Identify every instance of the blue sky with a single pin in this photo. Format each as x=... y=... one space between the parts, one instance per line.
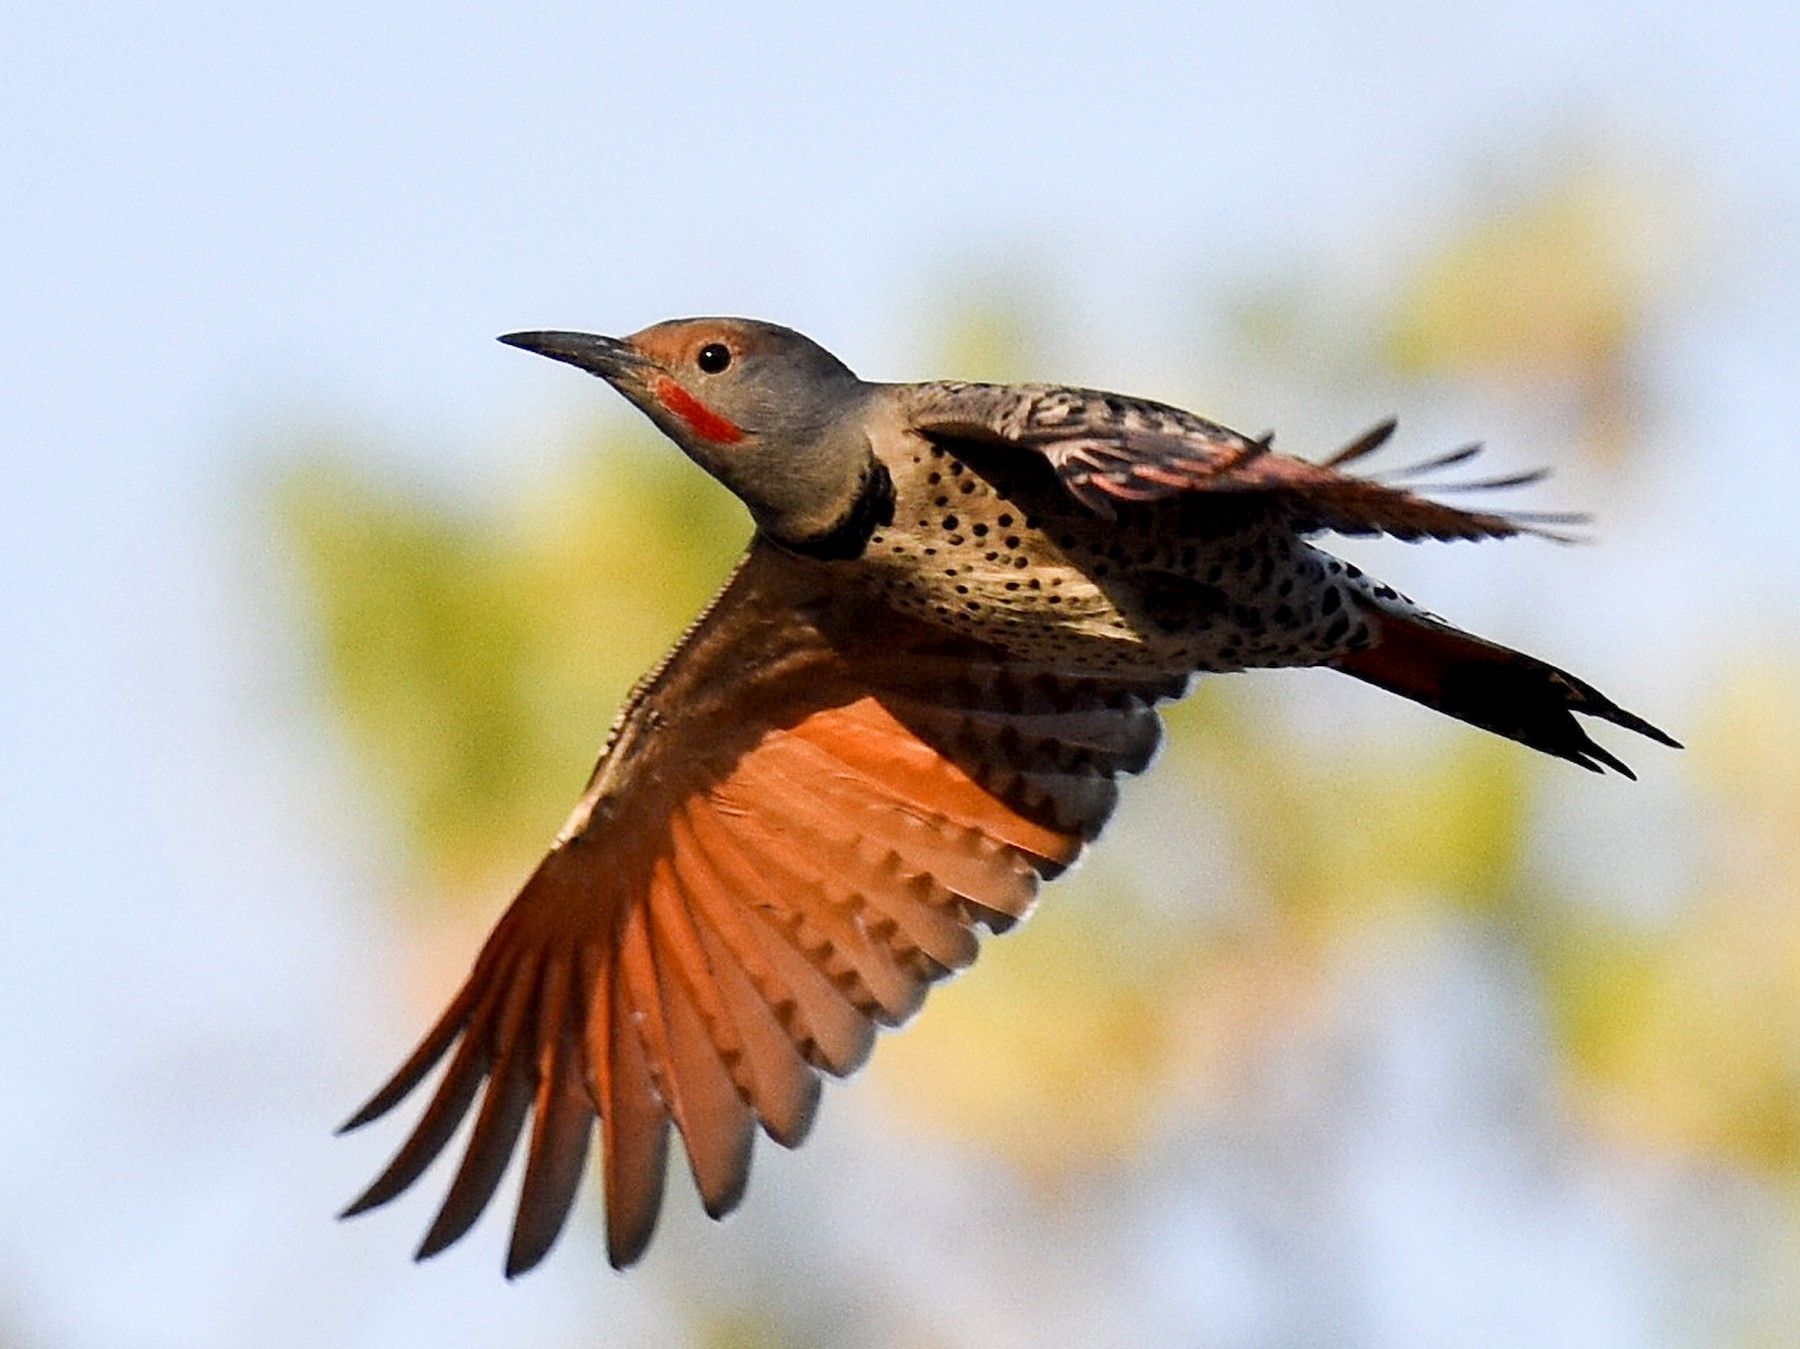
x=219 y=222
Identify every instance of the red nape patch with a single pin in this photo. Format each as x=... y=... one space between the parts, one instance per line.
x=701 y=420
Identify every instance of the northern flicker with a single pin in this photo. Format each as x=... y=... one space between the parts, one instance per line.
x=909 y=704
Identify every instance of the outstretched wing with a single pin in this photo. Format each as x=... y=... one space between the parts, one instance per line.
x=1109 y=449
x=800 y=820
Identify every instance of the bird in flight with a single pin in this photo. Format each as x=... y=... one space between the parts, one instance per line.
x=909 y=704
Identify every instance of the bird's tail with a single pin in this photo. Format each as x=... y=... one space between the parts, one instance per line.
x=1489 y=686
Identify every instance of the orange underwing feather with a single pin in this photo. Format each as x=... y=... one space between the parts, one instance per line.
x=497 y=1123
x=708 y=1110
x=959 y=855
x=422 y=1060
x=682 y=955
x=866 y=737
x=774 y=1078
x=825 y=921
x=562 y=1124
x=636 y=1130
x=448 y=1105
x=827 y=1029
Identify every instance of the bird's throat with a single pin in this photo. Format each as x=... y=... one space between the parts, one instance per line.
x=872 y=508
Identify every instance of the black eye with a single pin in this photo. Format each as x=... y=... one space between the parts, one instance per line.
x=713 y=357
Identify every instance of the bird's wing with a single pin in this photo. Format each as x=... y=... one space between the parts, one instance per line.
x=800 y=819
x=1108 y=449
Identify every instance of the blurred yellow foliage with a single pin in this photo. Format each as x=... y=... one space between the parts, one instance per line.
x=1549 y=286
x=989 y=341
x=1548 y=292
x=1053 y=1054
x=476 y=658
x=1339 y=836
x=743 y=1328
x=1689 y=1036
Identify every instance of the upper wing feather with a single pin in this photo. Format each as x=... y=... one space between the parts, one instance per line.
x=1108 y=449
x=798 y=823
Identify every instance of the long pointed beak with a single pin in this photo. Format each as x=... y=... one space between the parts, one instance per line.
x=606 y=357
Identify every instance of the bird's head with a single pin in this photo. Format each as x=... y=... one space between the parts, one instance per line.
x=766 y=411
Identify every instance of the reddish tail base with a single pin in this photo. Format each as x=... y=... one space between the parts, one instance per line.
x=1499 y=690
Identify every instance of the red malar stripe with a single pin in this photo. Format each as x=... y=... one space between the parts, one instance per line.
x=701 y=420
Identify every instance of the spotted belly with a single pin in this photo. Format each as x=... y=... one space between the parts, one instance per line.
x=1171 y=586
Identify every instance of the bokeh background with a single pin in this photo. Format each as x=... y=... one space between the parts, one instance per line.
x=315 y=604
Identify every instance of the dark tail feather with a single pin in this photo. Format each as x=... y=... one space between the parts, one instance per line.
x=1503 y=691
